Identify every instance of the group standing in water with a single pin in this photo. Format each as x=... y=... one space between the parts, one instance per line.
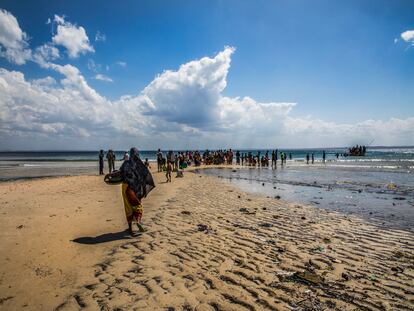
x=312 y=157
x=171 y=161
x=266 y=160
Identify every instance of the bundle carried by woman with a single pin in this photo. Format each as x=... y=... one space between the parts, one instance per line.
x=137 y=176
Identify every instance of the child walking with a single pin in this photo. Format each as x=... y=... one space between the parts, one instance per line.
x=169 y=170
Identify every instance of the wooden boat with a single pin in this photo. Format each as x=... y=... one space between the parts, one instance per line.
x=357 y=151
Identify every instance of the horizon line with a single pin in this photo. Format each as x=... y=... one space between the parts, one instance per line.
x=211 y=149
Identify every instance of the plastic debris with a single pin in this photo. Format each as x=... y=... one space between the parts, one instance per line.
x=266 y=225
x=318 y=249
x=345 y=276
x=202 y=227
x=306 y=277
x=391 y=186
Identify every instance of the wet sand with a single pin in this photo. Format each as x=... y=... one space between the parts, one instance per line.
x=367 y=194
x=63 y=247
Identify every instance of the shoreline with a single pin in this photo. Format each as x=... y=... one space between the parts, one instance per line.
x=250 y=256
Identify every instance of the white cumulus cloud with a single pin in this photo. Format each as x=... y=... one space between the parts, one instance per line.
x=45 y=107
x=13 y=41
x=408 y=36
x=72 y=37
x=102 y=77
x=46 y=52
x=186 y=101
x=191 y=94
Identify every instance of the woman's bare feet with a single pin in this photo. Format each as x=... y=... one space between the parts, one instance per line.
x=131 y=232
x=141 y=228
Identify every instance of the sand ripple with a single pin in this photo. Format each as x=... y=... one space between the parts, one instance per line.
x=256 y=254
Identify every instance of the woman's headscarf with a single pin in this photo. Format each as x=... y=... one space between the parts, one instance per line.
x=136 y=175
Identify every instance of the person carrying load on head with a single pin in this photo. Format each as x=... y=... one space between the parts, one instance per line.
x=137 y=182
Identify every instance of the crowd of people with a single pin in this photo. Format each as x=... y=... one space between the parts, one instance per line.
x=181 y=160
x=170 y=161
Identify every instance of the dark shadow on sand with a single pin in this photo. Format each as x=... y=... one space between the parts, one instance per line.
x=103 y=238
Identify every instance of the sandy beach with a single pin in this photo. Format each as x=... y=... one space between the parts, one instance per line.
x=209 y=246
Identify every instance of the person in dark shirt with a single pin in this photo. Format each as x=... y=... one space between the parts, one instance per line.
x=101 y=162
x=159 y=160
x=110 y=156
x=137 y=182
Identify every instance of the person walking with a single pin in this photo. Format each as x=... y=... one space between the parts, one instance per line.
x=137 y=182
x=169 y=170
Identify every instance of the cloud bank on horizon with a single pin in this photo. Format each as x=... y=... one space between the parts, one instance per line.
x=183 y=108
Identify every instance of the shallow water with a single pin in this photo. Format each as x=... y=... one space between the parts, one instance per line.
x=368 y=192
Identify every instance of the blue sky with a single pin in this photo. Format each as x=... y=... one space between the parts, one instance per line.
x=340 y=64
